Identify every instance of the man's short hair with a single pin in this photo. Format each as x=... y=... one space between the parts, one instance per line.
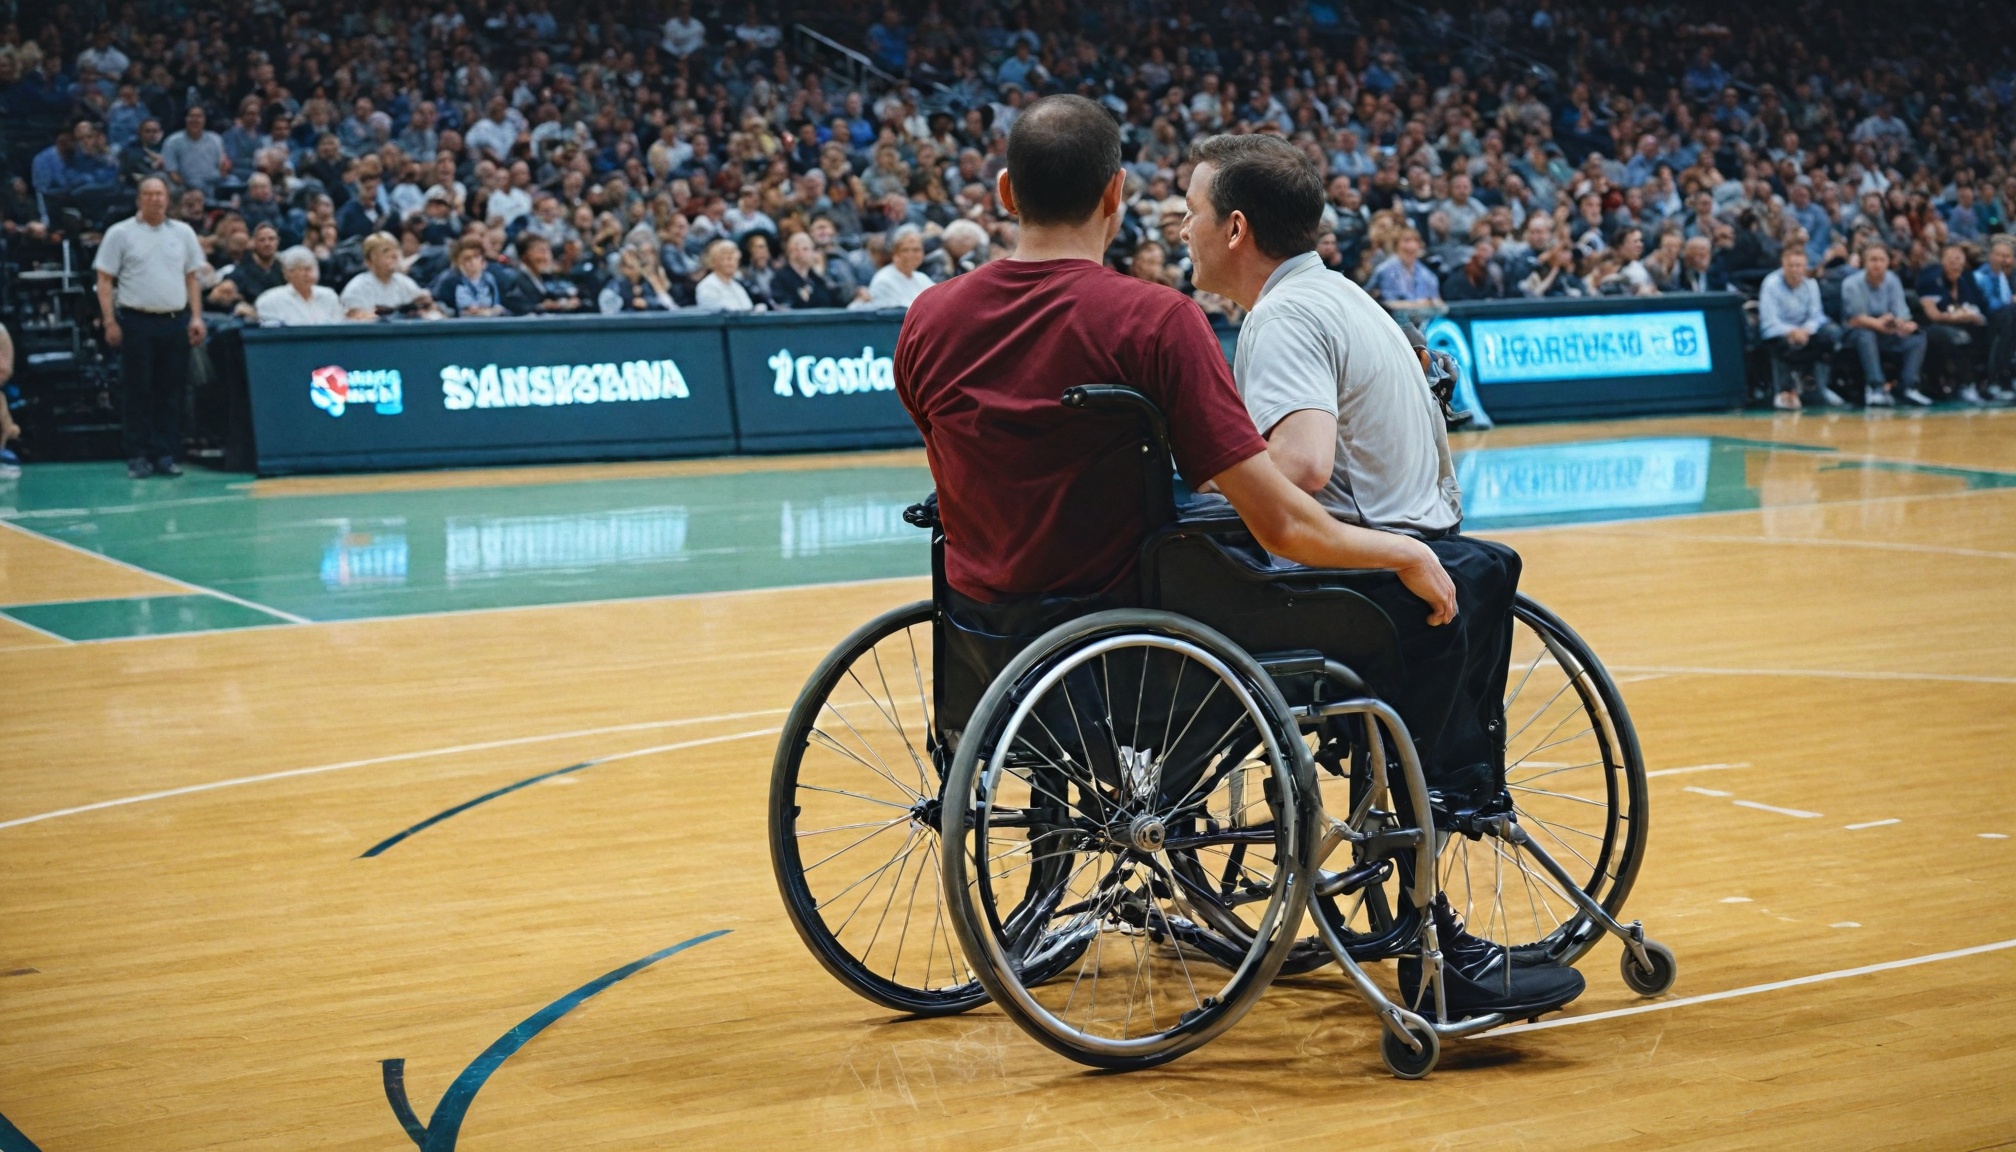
x=1062 y=152
x=1272 y=182
x=465 y=246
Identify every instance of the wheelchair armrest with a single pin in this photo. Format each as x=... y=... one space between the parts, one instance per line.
x=1222 y=526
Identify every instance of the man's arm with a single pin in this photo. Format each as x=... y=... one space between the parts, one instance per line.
x=105 y=285
x=1289 y=524
x=1303 y=445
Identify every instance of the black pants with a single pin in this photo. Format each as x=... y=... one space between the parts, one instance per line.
x=1817 y=353
x=154 y=368
x=1957 y=349
x=1452 y=691
x=2002 y=344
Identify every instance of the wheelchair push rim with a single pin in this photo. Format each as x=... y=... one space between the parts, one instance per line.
x=853 y=821
x=1167 y=839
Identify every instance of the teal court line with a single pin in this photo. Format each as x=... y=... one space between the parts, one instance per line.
x=13 y=1140
x=444 y=1127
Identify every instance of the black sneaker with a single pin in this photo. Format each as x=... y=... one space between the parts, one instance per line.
x=1480 y=977
x=166 y=466
x=138 y=468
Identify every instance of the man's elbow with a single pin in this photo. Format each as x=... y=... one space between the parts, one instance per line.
x=1304 y=473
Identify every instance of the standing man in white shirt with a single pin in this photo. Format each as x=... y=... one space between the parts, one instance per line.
x=899 y=282
x=152 y=302
x=1341 y=397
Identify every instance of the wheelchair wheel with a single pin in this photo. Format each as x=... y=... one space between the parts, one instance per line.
x=1127 y=834
x=1577 y=782
x=854 y=796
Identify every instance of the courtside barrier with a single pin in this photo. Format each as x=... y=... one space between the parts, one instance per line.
x=466 y=392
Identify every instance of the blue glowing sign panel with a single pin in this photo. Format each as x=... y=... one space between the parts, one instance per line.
x=1591 y=478
x=1586 y=347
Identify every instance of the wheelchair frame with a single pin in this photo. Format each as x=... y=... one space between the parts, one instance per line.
x=1411 y=1041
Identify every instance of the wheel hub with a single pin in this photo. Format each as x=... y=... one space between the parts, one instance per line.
x=1147 y=833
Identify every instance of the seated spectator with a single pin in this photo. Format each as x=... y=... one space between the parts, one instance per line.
x=470 y=286
x=961 y=249
x=1953 y=304
x=194 y=157
x=1478 y=278
x=142 y=158
x=1405 y=285
x=1553 y=273
x=382 y=289
x=538 y=287
x=758 y=268
x=1796 y=331
x=1997 y=281
x=259 y=270
x=639 y=285
x=1879 y=321
x=899 y=282
x=1635 y=279
x=802 y=282
x=1700 y=268
x=1150 y=263
x=301 y=300
x=719 y=290
x=367 y=211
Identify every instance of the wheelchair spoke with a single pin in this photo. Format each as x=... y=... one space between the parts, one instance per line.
x=1560 y=796
x=1544 y=708
x=903 y=853
x=1565 y=739
x=832 y=743
x=856 y=844
x=1514 y=698
x=1550 y=770
x=896 y=717
x=887 y=714
x=852 y=795
x=849 y=827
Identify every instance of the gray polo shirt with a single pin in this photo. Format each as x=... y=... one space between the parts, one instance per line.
x=1316 y=341
x=1858 y=299
x=150 y=264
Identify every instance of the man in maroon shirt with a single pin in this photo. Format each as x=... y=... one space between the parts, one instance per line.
x=1039 y=501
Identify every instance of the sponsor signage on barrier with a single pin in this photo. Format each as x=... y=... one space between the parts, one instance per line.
x=486 y=391
x=1587 y=347
x=819 y=380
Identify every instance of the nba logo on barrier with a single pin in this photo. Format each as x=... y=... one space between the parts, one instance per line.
x=329 y=388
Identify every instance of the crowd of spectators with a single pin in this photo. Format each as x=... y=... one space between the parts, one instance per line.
x=494 y=157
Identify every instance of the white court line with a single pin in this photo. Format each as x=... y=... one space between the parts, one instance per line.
x=1696 y=768
x=395 y=758
x=1798 y=812
x=1754 y=989
x=1822 y=673
x=1707 y=792
x=290 y=617
x=1872 y=824
x=1822 y=542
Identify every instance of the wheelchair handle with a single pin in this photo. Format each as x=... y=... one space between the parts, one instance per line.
x=1120 y=398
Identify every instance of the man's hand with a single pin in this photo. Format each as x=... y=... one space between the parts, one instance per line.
x=1426 y=579
x=113 y=335
x=1906 y=327
x=1797 y=337
x=197 y=329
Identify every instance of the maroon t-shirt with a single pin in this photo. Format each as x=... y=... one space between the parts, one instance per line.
x=1037 y=498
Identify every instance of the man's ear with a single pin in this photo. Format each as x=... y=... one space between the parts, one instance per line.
x=1116 y=189
x=1006 y=191
x=1238 y=229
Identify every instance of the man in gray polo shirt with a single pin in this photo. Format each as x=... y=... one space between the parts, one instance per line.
x=1341 y=396
x=153 y=309
x=1879 y=321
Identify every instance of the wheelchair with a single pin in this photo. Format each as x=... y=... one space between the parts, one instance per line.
x=1122 y=825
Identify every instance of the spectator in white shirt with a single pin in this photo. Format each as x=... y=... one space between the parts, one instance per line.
x=514 y=199
x=382 y=285
x=683 y=34
x=719 y=290
x=301 y=300
x=899 y=282
x=494 y=135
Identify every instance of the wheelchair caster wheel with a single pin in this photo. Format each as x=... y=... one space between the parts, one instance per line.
x=1654 y=980
x=1405 y=1062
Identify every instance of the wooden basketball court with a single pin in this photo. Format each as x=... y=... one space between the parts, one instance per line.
x=275 y=811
